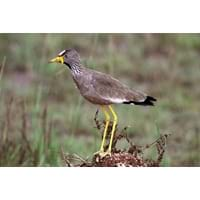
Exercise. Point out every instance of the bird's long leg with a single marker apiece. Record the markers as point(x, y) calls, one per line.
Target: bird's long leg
point(115, 118)
point(107, 116)
point(101, 152)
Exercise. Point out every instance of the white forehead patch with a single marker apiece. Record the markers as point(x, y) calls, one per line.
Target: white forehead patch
point(62, 53)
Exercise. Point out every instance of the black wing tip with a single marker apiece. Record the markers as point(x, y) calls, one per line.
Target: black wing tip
point(151, 98)
point(149, 101)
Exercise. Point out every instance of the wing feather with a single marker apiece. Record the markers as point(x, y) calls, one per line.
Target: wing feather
point(111, 89)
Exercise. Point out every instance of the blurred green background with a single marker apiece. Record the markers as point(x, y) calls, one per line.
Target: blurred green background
point(41, 111)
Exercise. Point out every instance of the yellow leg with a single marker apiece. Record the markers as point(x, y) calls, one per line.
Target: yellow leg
point(105, 129)
point(113, 128)
point(102, 153)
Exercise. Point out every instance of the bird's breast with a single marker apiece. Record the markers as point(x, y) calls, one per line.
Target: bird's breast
point(82, 83)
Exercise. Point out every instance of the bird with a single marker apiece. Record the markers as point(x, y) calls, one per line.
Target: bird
point(102, 90)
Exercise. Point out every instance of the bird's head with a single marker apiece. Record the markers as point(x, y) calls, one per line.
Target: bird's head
point(68, 57)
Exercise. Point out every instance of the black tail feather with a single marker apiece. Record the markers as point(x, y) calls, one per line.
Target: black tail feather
point(149, 101)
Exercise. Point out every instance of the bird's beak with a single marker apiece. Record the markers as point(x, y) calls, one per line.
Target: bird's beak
point(58, 59)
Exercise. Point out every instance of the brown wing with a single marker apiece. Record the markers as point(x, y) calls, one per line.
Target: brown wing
point(110, 88)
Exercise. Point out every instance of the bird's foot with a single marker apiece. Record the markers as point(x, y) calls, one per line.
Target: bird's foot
point(102, 153)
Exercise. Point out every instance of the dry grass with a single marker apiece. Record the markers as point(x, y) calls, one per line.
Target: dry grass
point(41, 111)
point(134, 156)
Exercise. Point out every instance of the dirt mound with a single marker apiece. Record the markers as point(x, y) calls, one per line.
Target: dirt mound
point(133, 156)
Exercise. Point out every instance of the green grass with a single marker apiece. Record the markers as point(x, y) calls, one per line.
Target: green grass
point(57, 117)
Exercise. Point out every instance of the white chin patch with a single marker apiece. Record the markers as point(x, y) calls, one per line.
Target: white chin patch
point(62, 53)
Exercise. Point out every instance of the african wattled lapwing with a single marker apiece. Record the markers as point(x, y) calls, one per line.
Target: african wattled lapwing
point(101, 89)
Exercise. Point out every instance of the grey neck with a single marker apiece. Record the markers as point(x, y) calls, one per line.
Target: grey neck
point(75, 68)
